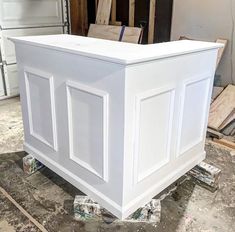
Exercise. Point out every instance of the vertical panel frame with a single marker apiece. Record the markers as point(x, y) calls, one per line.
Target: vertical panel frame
point(105, 98)
point(49, 78)
point(196, 79)
point(155, 92)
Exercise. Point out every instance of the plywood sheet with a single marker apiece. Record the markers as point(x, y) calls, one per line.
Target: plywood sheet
point(103, 12)
point(130, 34)
point(104, 32)
point(222, 107)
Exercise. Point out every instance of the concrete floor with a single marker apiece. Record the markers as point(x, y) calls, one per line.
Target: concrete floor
point(49, 198)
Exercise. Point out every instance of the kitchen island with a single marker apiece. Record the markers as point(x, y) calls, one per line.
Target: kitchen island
point(119, 121)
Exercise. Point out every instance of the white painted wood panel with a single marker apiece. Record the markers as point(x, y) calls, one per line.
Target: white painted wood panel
point(196, 92)
point(88, 127)
point(128, 119)
point(154, 110)
point(30, 13)
point(41, 106)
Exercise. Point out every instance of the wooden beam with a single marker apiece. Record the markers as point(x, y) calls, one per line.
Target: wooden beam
point(79, 17)
point(152, 9)
point(131, 13)
point(225, 142)
point(103, 12)
point(96, 6)
point(214, 134)
point(114, 11)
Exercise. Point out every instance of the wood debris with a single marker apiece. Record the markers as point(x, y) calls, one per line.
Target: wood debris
point(222, 111)
point(222, 116)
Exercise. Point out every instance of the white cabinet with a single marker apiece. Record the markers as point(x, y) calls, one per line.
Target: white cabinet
point(119, 121)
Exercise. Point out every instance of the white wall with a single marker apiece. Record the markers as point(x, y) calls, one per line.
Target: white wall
point(208, 20)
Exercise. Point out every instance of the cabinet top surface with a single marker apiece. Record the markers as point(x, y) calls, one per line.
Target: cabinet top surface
point(113, 51)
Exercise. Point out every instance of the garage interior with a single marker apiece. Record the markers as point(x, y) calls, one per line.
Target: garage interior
point(39, 199)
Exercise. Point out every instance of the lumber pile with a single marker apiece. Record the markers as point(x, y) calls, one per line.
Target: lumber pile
point(222, 110)
point(222, 115)
point(113, 30)
point(107, 27)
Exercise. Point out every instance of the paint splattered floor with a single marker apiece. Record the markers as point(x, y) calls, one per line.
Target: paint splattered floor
point(49, 198)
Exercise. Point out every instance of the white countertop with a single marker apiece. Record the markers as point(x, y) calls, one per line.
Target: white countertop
point(116, 52)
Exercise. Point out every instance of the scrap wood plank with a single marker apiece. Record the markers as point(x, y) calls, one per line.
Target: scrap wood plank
point(221, 50)
point(103, 12)
point(104, 32)
point(228, 120)
point(216, 92)
point(225, 142)
point(116, 23)
point(131, 13)
point(152, 9)
point(214, 134)
point(229, 129)
point(222, 107)
point(130, 34)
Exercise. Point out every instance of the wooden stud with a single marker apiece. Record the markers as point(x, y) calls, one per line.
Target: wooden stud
point(152, 9)
point(79, 17)
point(96, 6)
point(131, 13)
point(114, 11)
